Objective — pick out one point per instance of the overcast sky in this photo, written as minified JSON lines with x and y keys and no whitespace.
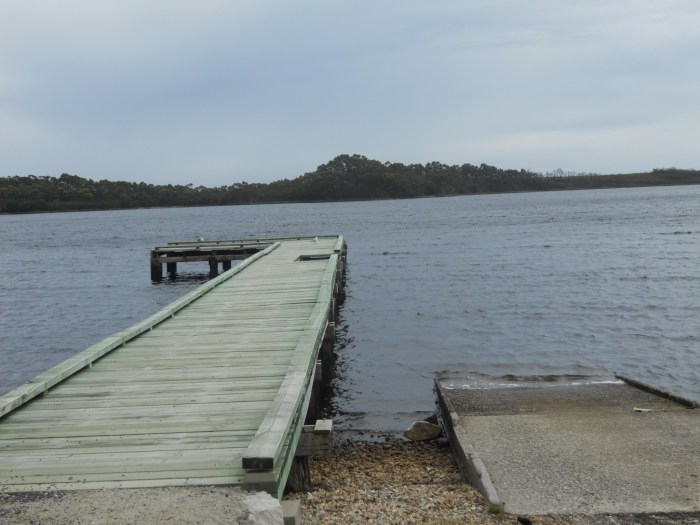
{"x":214,"y":92}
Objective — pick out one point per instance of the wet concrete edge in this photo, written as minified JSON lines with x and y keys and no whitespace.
{"x":689,"y":403}
{"x":470,"y":464}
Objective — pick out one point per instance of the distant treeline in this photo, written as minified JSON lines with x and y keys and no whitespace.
{"x":346,"y":177}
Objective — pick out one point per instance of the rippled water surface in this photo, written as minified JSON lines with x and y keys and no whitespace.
{"x":581,"y":282}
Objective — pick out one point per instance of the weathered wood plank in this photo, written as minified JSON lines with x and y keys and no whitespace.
{"x":96,"y":452}
{"x":40,"y":463}
{"x":158,"y":413}
{"x":138,"y":441}
{"x":163,"y":400}
{"x":138,"y":475}
{"x":201,"y":365}
{"x":191,"y":387}
{"x":96,"y":376}
{"x":241,"y":422}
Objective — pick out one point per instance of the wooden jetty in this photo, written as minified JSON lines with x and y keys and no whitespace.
{"x":213,"y":389}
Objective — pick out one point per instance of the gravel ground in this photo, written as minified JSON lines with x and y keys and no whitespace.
{"x":389,"y":480}
{"x":171,"y":505}
{"x":398,"y":482}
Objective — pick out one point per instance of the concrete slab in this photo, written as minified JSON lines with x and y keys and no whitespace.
{"x":582,"y":448}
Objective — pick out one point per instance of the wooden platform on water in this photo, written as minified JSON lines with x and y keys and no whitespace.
{"x":213,"y":252}
{"x":211,"y":390}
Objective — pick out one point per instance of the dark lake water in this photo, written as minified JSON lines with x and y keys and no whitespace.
{"x":581,"y":282}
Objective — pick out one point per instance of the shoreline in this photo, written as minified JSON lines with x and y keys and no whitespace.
{"x":391,"y":480}
{"x":385,"y":480}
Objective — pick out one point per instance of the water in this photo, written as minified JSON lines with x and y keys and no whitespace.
{"x":581,"y":282}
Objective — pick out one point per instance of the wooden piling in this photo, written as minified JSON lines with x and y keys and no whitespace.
{"x":156,"y":268}
{"x":299,"y":479}
{"x":213,"y":266}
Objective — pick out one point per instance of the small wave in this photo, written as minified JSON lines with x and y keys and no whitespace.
{"x":481,"y":382}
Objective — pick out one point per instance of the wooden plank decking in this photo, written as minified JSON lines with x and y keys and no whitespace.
{"x":210,"y":390}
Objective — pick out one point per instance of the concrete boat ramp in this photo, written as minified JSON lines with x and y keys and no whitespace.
{"x":563,"y":447}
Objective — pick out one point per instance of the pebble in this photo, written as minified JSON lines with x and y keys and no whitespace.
{"x":400,"y":482}
{"x":385,"y":483}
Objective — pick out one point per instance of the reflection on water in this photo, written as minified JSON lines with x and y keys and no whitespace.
{"x":179,"y":278}
{"x":338,"y":385}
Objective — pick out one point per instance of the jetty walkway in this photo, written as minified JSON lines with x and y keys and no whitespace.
{"x":211,"y":390}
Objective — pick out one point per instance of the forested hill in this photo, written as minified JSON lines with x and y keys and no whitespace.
{"x":346,"y":177}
